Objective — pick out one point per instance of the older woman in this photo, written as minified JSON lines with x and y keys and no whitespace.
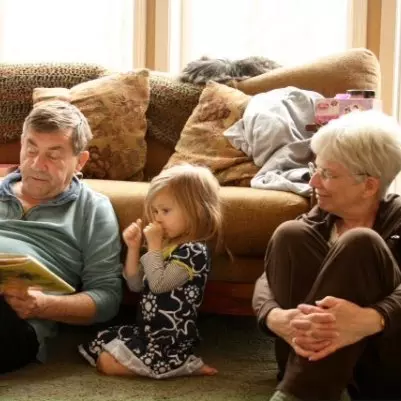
{"x":331,"y":291}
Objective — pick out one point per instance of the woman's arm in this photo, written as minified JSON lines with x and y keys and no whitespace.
{"x":271,"y":318}
{"x":263,"y":302}
{"x":390,"y":310}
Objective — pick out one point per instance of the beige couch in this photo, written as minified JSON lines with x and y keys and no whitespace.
{"x":251,"y":215}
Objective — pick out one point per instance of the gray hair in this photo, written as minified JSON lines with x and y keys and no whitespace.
{"x":365,"y":142}
{"x":56,"y":115}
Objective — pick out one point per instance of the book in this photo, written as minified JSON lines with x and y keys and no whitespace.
{"x":30,"y":272}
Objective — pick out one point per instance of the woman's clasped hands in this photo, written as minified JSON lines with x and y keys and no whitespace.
{"x":333,"y":323}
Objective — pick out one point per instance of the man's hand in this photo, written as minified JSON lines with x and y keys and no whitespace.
{"x":154,"y":236}
{"x":344,"y":322}
{"x":26,"y":302}
{"x":132,"y":235}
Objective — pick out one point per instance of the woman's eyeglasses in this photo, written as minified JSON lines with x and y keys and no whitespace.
{"x":325,"y":174}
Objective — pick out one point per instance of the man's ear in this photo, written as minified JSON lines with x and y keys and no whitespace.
{"x":82,"y":159}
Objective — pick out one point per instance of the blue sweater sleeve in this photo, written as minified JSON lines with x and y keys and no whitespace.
{"x":102,"y":271}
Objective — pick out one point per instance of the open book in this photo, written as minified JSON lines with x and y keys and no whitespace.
{"x":31,"y":272}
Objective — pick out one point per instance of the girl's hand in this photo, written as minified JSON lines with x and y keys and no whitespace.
{"x":154,"y":236}
{"x":132,"y":235}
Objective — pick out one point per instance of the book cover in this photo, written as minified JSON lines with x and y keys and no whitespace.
{"x":31,"y":272}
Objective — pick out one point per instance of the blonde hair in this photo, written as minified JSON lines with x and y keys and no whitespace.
{"x":365,"y":142}
{"x":196,"y":191}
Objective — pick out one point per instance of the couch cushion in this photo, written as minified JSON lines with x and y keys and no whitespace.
{"x":202,"y":140}
{"x":17,"y":82}
{"x":250,"y":215}
{"x":156,"y":157}
{"x":352,"y":69}
{"x":9,"y":152}
{"x":115,"y":106}
{"x":171,"y":103}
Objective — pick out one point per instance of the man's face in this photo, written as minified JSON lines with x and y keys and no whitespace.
{"x":48,"y":163}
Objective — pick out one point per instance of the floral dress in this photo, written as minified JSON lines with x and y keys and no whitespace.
{"x":162,"y":341}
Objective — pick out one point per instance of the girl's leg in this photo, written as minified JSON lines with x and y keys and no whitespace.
{"x":108,"y":365}
{"x":205,"y":370}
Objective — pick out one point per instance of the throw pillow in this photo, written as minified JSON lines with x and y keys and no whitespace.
{"x":202,"y":140}
{"x":17,"y":82}
{"x":115,"y":106}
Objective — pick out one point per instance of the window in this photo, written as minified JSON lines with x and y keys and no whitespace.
{"x":287,"y":31}
{"x":93,"y":31}
{"x":396,"y":92}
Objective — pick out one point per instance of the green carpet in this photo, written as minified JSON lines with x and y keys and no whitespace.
{"x":243,"y":356}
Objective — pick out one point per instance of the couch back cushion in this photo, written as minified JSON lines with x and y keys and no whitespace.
{"x":356,"y":68}
{"x":171,"y":104}
{"x":17,"y":82}
{"x":156,"y":157}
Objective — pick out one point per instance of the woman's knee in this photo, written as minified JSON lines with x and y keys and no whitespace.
{"x":291,"y":230}
{"x":361,"y":238}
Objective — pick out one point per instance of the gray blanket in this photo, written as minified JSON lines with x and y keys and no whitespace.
{"x":273,"y":132}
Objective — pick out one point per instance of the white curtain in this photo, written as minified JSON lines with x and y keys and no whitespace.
{"x":287,"y":31}
{"x":98,"y":31}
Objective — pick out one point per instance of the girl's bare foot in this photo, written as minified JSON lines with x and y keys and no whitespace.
{"x":206,"y":370}
{"x":108,"y":365}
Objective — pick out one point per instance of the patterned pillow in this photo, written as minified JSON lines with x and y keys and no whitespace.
{"x":17,"y":82}
{"x":115,"y":106}
{"x":202,"y":140}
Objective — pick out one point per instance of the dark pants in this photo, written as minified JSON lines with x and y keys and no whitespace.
{"x":302,"y":268}
{"x":18,"y":342}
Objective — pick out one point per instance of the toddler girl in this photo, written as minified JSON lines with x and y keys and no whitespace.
{"x":184,"y":213}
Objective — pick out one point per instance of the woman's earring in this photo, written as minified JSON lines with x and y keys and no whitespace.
{"x":79,"y":175}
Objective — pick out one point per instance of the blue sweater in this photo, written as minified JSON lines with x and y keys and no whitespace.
{"x":75,"y":235}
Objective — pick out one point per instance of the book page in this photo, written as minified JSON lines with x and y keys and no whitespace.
{"x":29,"y":272}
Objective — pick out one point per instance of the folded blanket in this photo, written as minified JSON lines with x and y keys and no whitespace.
{"x":273,"y":132}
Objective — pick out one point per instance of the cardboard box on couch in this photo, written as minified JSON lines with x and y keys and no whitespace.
{"x":330,"y":108}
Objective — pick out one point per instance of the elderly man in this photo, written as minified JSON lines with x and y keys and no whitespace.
{"x":47,"y":212}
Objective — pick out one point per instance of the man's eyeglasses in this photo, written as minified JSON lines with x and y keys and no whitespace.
{"x":324,"y":173}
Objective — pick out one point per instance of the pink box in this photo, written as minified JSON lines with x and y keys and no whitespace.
{"x":330,"y":108}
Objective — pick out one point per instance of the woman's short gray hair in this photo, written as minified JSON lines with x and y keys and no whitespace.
{"x":367,"y":142}
{"x":57,"y":115}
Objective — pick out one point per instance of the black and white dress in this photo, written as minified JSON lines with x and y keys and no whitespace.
{"x":161,"y":343}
